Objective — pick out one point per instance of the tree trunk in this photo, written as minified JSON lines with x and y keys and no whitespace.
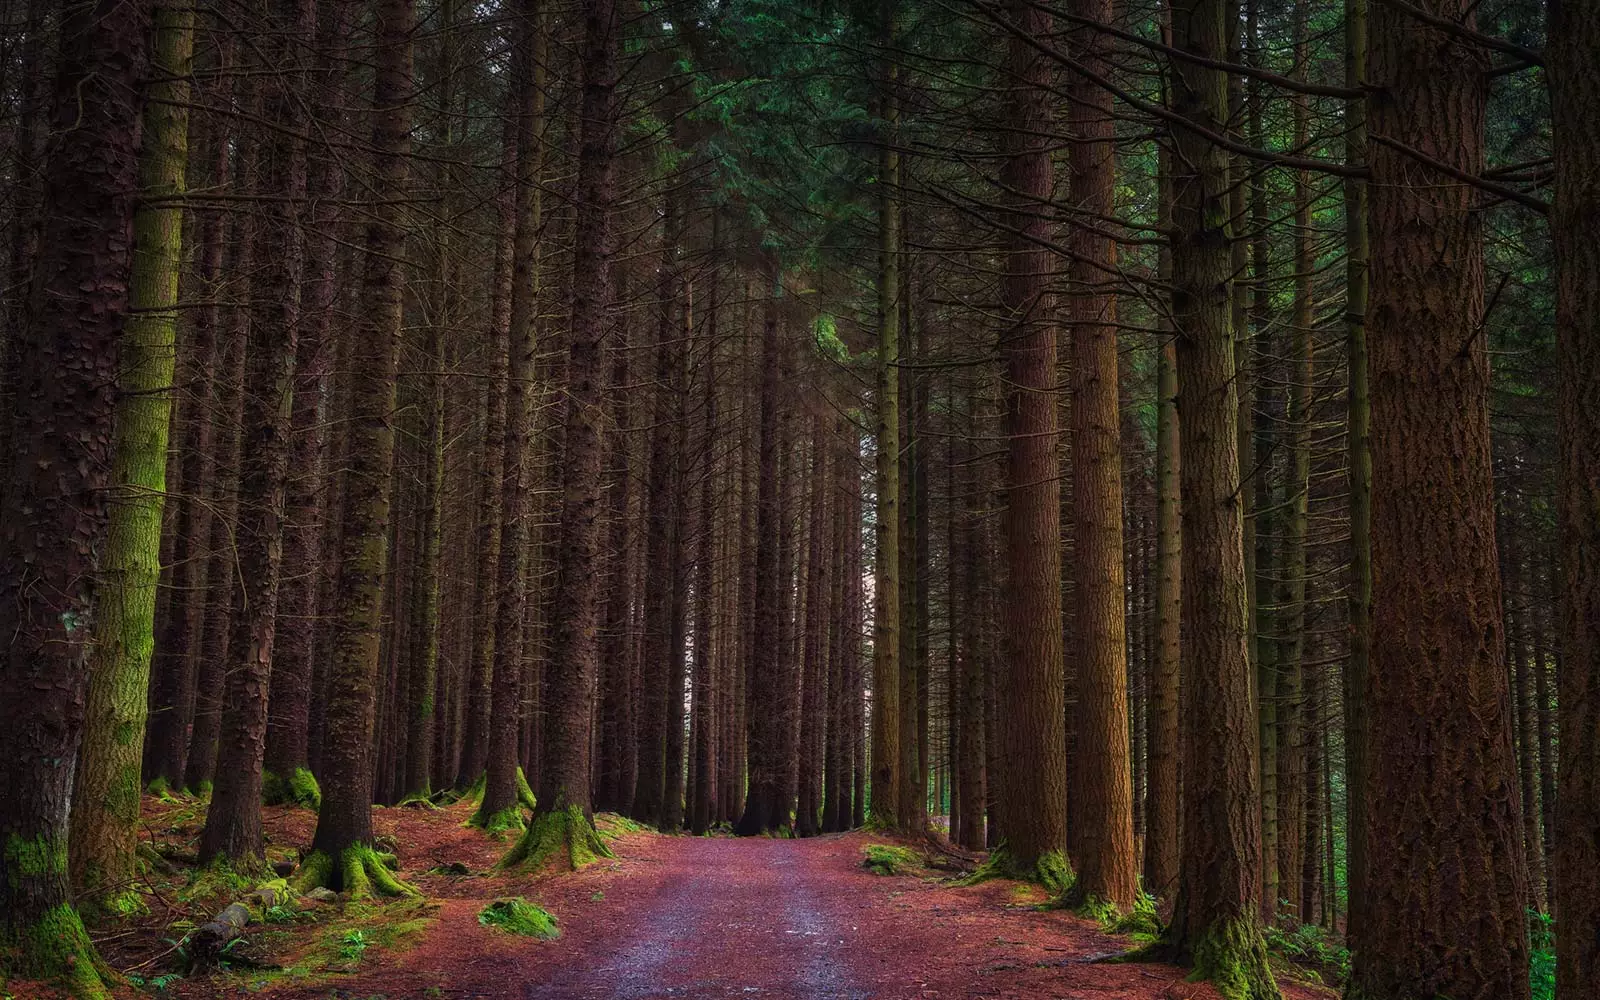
{"x":1103,"y":769}
{"x":1446,"y":876}
{"x":105,"y":799}
{"x":1033,"y":783}
{"x":1573,"y":64}
{"x":563,"y":822}
{"x":342,"y":857}
{"x":1216,"y":923}
{"x":53,"y":512}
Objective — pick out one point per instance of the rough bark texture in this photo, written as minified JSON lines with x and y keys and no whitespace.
{"x":1102,"y":765}
{"x":1446,"y":878}
{"x":105,"y":802}
{"x":233,"y":821}
{"x":1032,"y":782}
{"x":1573,"y":61}
{"x":1216,"y":921}
{"x":53,"y":514}
{"x":564,"y":787}
{"x":344,"y":823}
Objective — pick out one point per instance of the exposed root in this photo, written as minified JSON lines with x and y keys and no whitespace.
{"x":509,"y":818}
{"x":565,"y":836}
{"x":57,"y":949}
{"x":1052,"y":870}
{"x":1230,"y":954}
{"x":361,"y":872}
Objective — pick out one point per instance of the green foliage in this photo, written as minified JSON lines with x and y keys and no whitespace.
{"x":886,"y":859}
{"x":157,"y":984}
{"x":354,"y":944}
{"x":1542,"y":942}
{"x":1309,"y":946}
{"x":516,"y":915}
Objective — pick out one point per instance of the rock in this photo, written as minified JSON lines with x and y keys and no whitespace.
{"x":321,"y":895}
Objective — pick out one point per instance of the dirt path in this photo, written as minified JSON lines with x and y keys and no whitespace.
{"x":685,"y":917}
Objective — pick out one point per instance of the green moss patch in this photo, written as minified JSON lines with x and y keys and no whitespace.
{"x":516,"y":915}
{"x":886,"y":859}
{"x":564,"y":836}
{"x":1052,"y":872}
{"x":297,"y":789}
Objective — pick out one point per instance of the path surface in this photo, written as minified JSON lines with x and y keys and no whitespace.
{"x":686,"y":917}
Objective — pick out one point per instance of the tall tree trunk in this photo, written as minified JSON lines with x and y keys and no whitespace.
{"x":1162,"y":811}
{"x":341,"y":856}
{"x":1105,"y":849}
{"x":886,"y":755}
{"x":1216,"y":922}
{"x":1033,"y":782}
{"x":233,"y":821}
{"x":1573,"y":64}
{"x":563,"y":823}
{"x":105,"y":795}
{"x":498,"y":808}
{"x":1446,"y":876}
{"x":1358,"y":432}
{"x":53,"y":511}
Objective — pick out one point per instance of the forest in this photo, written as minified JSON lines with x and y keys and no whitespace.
{"x":800,"y":498}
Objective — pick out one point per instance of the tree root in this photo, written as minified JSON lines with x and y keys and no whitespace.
{"x":1230,"y":954}
{"x":1051,"y":871}
{"x":361,"y":872}
{"x":566,"y":836}
{"x":57,"y":949}
{"x":509,"y":818}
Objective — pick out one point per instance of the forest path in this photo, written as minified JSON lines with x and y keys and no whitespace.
{"x":717,"y":917}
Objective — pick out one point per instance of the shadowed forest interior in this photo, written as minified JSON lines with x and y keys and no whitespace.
{"x":588,"y":471}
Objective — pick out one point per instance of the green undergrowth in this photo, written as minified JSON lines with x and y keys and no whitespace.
{"x":297,"y":789}
{"x":1141,"y":921}
{"x":1314,"y":954}
{"x":1052,"y":871}
{"x":516,"y":915}
{"x":345,"y":939}
{"x":565,"y":837}
{"x":1542,"y":967}
{"x":887,"y":859}
{"x":613,"y":826}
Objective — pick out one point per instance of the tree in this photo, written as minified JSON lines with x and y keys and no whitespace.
{"x":1031,"y":793}
{"x":1103,"y":767}
{"x":1216,"y":923}
{"x":1574,"y":79}
{"x":105,"y":800}
{"x":563,"y":823}
{"x":53,"y":511}
{"x":342,"y":855}
{"x":1442,"y":776}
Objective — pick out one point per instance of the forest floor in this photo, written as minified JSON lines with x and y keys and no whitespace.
{"x":668,"y":916}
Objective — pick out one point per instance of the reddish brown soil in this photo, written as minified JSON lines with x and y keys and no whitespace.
{"x":687,"y":917}
{"x":668,"y":917}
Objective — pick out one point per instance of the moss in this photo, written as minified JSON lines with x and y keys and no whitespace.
{"x":56,"y":948}
{"x":516,"y":915}
{"x":613,"y":825}
{"x":886,"y":859}
{"x":361,"y":872}
{"x":1232,"y":956}
{"x":37,"y":857}
{"x":1052,"y":870}
{"x":509,"y":818}
{"x":562,"y":831}
{"x":1142,"y":922}
{"x":300,"y":788}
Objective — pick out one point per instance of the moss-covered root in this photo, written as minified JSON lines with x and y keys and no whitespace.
{"x":565,"y":836}
{"x":361,"y":872}
{"x":525,"y":796}
{"x":298,"y":789}
{"x":1232,"y":956}
{"x":55,"y":949}
{"x":1051,"y":870}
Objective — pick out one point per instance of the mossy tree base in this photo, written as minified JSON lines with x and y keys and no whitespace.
{"x":361,"y":871}
{"x":1052,"y":871}
{"x":56,"y":949}
{"x":1231,"y":955}
{"x":298,"y":789}
{"x":565,"y":836}
{"x":509,"y":818}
